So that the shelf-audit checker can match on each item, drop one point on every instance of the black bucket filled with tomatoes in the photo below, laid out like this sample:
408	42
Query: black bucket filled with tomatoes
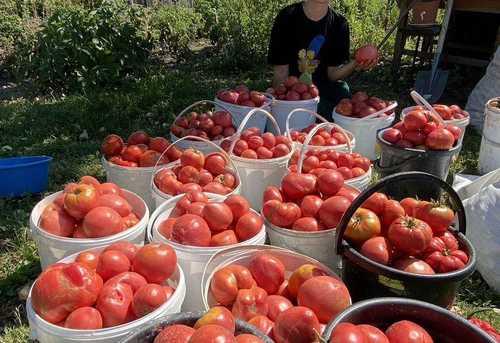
401	320
405	245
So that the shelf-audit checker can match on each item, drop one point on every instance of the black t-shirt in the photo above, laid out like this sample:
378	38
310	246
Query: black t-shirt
293	31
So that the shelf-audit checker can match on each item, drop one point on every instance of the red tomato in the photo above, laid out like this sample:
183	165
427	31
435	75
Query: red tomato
151	158
79	200
348	333
310	163
112	145
190	229
327	165
250	303
296	325
88	258
440	139
238	205
255	142
169	185
195	208
218	216
247	338
410	206
317	140
330	182
310	205
159	144
455	130
345	172
215	163
240	146
189	174
173	153
405	144
57	221
115	202
218	315
413	265
376	203
205	177
101	222
280	150
111	263
212	333
301	275
415	120
156	262
362	162
439	217
392	211
373	334
147	299
272	193
127	248
345	160
392	135
377	249
277	304
132	153
296	186
325	295
443	255
194	196
406	331
138	137
332	209
248	226
223	285
177	333
226	237
113	304
363	225
166	227
281	214
268	271
306	224
217	188
134	280
222	118
410	235
226	179
444	111
264	153
264	324
192	157
269	140
84	318
416	137
249	153
348	192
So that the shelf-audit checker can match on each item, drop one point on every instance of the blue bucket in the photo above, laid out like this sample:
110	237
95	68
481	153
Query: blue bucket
23	175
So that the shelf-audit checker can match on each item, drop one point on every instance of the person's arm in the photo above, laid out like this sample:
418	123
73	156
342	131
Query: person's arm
280	73
341	72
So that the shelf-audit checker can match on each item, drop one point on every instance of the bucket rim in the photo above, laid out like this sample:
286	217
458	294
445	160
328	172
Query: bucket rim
464	121
266	103
381	140
110	165
368	121
295	102
35	160
263	161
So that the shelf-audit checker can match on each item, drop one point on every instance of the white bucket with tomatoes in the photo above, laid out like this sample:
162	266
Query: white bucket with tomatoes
192	258
52	248
46	332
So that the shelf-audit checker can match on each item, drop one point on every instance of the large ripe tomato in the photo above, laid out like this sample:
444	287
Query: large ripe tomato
263	323
151	158
373	334
377	249
301	275
147	299
192	157
250	303
166	227
189	198
130	220
444	111
392	211
190	229
131	153
189	174
227	179
113	303
444	256
392	135
112	145
248	226
226	237
238	205
134	280
115	202
440	139
84	318
218	216
248	338
222	118
415	120
296	186
310	205
363	225
227	281
455	131
215	163
156	262
177	333
330	182
268	271
309	224
56	221
348	192
212	334
281	214
217	315
438	216
348	333
159	144
129	249
325	295
88	258
169	184
298	324
332	210
101	222
272	193
410	206
217	188
410	235
61	289
406	331
413	265
277	304
80	200
138	137
376	203
111	263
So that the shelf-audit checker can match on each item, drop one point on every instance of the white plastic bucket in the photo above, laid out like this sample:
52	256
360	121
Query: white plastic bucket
365	129
239	112
52	248
160	197
198	145
347	147
45	332
257	174
191	259
282	108
243	256
489	153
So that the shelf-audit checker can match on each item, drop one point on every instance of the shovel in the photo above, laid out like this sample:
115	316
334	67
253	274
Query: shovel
431	84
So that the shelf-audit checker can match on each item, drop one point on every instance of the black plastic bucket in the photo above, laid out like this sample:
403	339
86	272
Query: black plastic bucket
148	333
367	279
443	325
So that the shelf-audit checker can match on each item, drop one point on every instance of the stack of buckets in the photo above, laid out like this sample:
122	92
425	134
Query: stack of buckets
489	154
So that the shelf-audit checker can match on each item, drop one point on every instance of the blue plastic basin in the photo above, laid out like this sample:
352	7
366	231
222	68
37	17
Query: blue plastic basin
23	175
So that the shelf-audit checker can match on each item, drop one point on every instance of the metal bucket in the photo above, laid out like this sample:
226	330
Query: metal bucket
489	153
368	279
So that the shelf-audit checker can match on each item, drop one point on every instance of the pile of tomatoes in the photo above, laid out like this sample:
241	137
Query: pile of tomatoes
419	130
361	105
212	126
98	290
217	325
287	310
308	202
254	144
197	172
88	209
141	150
316	161
199	222
294	90
398	332
241	95
446	112
323	137
411	235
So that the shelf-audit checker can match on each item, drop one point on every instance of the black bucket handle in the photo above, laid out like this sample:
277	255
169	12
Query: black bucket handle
398	166
399	177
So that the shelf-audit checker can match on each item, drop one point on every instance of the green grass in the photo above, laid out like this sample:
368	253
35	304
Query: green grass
54	127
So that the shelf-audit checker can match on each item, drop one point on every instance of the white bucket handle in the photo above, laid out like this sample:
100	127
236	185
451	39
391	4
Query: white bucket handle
201	102
311	135
196	138
245	121
376	114
419	100
292	113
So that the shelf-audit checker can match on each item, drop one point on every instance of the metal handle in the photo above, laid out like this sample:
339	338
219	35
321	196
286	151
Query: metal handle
419	100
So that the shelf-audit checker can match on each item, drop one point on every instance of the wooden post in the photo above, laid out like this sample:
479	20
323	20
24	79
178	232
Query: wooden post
400	37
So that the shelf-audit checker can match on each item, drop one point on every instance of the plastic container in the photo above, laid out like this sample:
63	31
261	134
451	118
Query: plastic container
243	256
365	129
368	279
46	332
191	259
281	110
148	333
256	175
160	197
239	112
198	145
350	138
444	326
489	153
52	248
23	175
